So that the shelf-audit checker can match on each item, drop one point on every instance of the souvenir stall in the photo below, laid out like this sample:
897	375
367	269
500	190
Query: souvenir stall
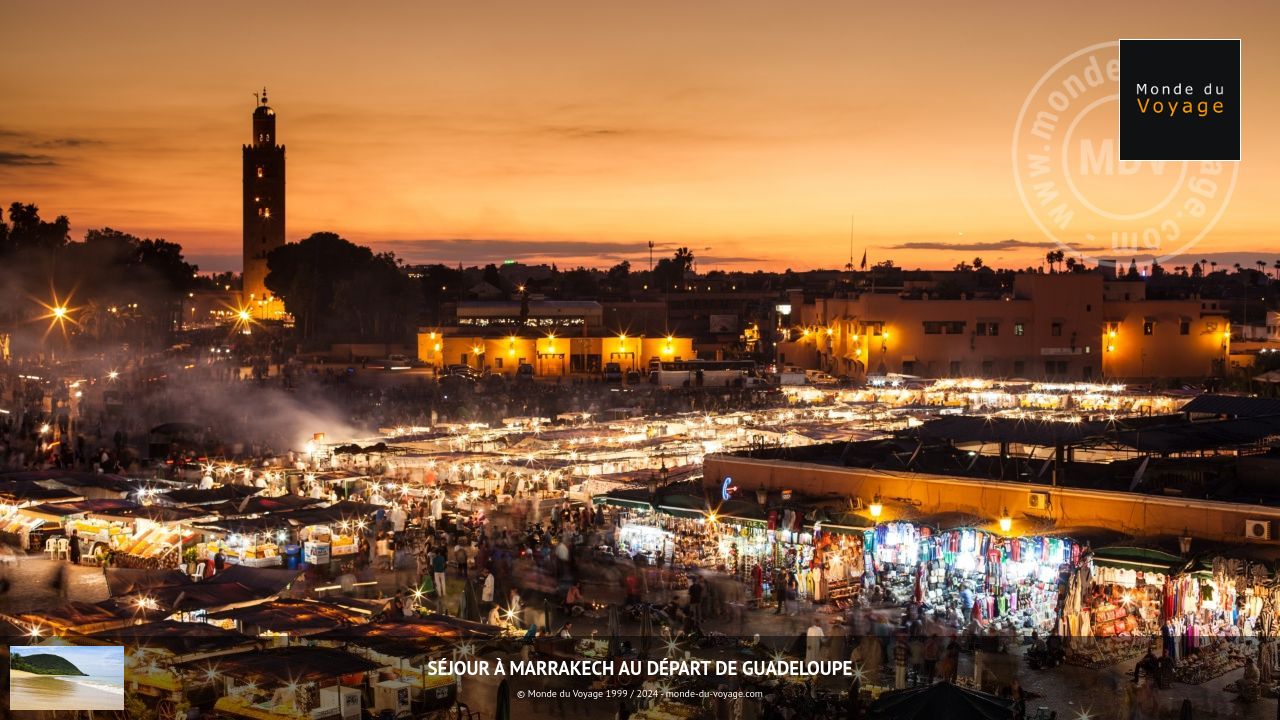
1014	579
1113	604
1208	608
649	535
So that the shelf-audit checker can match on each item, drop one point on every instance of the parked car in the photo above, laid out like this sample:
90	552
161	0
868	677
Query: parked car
612	372
463	371
524	373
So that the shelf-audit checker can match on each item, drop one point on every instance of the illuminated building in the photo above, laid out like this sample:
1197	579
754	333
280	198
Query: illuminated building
1071	327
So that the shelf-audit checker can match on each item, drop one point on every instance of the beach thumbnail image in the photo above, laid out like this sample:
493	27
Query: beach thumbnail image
66	677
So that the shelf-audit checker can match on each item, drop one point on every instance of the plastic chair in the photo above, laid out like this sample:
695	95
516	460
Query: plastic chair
64	548
51	547
199	573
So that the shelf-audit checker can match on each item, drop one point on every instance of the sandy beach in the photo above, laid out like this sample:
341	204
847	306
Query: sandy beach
28	691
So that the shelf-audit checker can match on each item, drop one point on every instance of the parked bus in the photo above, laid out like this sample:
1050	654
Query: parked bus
705	373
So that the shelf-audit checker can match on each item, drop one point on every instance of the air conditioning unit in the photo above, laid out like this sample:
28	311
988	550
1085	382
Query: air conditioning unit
1257	529
1038	500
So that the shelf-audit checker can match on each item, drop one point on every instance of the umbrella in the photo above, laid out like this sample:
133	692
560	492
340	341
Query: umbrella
503	711
614	643
940	700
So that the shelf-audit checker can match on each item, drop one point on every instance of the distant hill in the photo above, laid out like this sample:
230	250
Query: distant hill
44	664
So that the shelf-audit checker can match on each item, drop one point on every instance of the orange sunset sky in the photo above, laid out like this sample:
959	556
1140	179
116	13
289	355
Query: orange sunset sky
577	132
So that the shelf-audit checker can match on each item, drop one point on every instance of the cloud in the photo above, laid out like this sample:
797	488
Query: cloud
980	246
588	252
67	142
586	132
17	159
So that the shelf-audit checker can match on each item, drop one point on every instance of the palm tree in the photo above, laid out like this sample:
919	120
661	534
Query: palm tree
1262	266
1277	267
1213	266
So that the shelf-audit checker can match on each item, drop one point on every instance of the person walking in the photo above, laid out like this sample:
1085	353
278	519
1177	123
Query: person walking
486	591
780	589
439	564
813	642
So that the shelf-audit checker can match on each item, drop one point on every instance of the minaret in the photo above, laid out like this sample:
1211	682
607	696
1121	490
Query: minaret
263	210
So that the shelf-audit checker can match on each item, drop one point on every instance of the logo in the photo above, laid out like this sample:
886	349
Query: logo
727	488
1180	99
1089	202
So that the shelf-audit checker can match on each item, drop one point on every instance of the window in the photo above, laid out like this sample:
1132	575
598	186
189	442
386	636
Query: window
988	368
497	362
1019	368
987	329
1056	329
955	368
259	171
908	367
1019	329
1088	307
1184	327
1148	328
943	327
1087	373
462	359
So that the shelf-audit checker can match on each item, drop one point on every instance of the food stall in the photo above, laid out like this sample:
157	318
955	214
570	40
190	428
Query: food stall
403	647
158	534
24	531
326	543
290	682
97	533
152	652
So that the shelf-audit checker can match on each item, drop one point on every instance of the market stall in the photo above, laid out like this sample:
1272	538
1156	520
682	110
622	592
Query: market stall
968	574
157	536
293	682
152	652
22	531
1122	601
403	647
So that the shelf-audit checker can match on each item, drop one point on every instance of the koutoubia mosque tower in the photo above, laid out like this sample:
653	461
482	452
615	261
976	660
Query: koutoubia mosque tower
263	211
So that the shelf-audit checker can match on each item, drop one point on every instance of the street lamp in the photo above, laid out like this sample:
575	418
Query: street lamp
876	507
1184	543
1006	522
